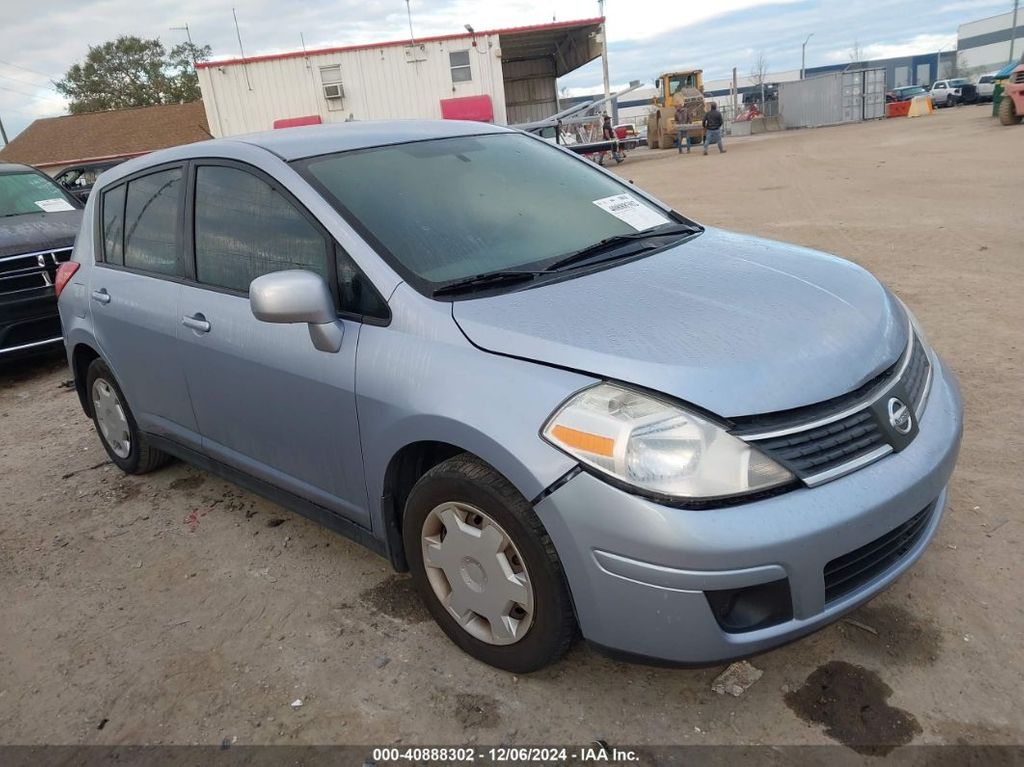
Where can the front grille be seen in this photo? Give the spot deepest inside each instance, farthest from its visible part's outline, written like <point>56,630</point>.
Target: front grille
<point>851,571</point>
<point>915,378</point>
<point>827,440</point>
<point>30,271</point>
<point>817,450</point>
<point>1018,78</point>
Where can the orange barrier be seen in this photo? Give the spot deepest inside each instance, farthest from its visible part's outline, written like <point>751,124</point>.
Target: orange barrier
<point>897,109</point>
<point>920,106</point>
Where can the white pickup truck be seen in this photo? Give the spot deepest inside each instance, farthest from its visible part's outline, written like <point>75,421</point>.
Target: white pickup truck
<point>986,87</point>
<point>948,93</point>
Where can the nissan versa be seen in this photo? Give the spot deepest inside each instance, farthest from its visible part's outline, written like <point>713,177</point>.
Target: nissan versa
<point>563,406</point>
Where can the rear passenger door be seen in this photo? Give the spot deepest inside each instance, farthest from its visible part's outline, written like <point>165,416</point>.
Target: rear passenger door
<point>134,298</point>
<point>266,401</point>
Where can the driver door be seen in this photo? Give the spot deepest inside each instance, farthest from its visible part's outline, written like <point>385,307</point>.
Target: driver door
<point>266,401</point>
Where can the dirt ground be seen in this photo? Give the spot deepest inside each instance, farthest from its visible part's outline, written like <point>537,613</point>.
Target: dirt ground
<point>178,608</point>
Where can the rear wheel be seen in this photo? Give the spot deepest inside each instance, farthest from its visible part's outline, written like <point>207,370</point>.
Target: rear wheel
<point>127,447</point>
<point>1007,113</point>
<point>485,567</point>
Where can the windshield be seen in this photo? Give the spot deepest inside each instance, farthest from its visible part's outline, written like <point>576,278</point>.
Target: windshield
<point>958,83</point>
<point>22,193</point>
<point>448,209</point>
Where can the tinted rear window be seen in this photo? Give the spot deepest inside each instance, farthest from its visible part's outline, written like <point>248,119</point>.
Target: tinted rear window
<point>151,222</point>
<point>113,225</point>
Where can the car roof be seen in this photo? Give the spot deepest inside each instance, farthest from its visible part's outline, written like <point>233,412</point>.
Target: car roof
<point>310,141</point>
<point>313,140</point>
<point>12,167</point>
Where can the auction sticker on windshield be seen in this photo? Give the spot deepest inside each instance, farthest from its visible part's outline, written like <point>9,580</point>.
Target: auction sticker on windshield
<point>629,209</point>
<point>55,205</point>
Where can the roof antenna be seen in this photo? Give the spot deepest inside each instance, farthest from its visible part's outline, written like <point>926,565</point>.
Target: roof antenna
<point>408,10</point>
<point>245,66</point>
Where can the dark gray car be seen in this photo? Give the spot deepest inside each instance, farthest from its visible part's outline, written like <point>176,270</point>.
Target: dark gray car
<point>560,404</point>
<point>38,224</point>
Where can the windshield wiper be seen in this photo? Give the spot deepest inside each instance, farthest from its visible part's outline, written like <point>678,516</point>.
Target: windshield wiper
<point>584,254</point>
<point>486,280</point>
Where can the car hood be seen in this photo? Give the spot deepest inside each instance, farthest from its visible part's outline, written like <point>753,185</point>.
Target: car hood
<point>38,231</point>
<point>737,325</point>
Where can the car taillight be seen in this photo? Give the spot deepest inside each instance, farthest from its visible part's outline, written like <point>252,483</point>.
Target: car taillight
<point>64,274</point>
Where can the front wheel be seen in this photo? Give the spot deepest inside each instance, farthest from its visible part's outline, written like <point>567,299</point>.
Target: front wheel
<point>126,445</point>
<point>1007,114</point>
<point>950,101</point>
<point>485,567</point>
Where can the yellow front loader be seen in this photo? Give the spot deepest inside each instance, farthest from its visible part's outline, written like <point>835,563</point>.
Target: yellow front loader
<point>676,89</point>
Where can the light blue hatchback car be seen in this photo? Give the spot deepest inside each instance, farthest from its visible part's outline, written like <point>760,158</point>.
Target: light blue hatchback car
<point>563,406</point>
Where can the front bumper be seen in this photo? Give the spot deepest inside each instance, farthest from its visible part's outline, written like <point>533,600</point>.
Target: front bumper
<point>29,322</point>
<point>639,571</point>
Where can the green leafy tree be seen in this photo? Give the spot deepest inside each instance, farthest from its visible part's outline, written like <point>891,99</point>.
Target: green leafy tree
<point>184,85</point>
<point>133,72</point>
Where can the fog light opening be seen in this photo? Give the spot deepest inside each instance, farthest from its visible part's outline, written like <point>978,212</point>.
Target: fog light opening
<point>753,607</point>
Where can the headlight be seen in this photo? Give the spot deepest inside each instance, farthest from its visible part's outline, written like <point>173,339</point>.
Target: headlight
<point>659,447</point>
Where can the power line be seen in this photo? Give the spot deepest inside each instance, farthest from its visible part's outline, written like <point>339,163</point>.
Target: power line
<point>30,84</point>
<point>33,71</point>
<point>22,93</point>
<point>32,114</point>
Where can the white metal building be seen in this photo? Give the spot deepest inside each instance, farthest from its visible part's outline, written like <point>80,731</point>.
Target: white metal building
<point>985,43</point>
<point>503,76</point>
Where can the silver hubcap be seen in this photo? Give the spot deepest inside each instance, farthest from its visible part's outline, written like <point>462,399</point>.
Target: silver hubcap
<point>477,572</point>
<point>111,419</point>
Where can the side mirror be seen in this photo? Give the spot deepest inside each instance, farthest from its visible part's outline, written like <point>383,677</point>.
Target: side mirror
<point>296,295</point>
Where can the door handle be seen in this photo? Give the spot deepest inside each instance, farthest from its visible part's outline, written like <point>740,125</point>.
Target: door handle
<point>196,322</point>
<point>101,295</point>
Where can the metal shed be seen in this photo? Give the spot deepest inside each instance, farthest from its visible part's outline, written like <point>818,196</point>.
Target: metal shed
<point>506,75</point>
<point>833,99</point>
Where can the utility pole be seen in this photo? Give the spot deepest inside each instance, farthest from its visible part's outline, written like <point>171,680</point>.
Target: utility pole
<point>803,55</point>
<point>408,12</point>
<point>735,106</point>
<point>184,29</point>
<point>604,63</point>
<point>245,66</point>
<point>1013,28</point>
<point>3,133</point>
<point>191,46</point>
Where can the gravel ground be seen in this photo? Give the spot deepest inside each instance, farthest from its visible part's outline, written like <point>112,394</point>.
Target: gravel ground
<point>178,608</point>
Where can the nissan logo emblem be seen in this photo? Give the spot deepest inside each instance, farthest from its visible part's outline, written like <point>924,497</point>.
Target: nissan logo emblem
<point>899,416</point>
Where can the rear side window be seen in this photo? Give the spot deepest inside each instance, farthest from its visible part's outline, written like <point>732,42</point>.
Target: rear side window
<point>113,225</point>
<point>151,220</point>
<point>244,228</point>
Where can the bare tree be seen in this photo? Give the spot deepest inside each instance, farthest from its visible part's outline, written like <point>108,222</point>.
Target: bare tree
<point>855,53</point>
<point>759,73</point>
<point>958,66</point>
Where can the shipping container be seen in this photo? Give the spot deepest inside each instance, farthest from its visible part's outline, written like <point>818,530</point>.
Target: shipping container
<point>833,99</point>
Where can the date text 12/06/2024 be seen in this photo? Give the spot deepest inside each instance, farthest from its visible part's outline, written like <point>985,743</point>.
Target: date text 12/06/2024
<point>596,752</point>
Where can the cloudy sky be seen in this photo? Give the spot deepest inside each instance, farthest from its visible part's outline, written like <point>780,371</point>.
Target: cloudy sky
<point>40,40</point>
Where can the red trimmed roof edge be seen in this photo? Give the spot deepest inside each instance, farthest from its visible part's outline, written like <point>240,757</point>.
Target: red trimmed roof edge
<point>87,160</point>
<point>392,43</point>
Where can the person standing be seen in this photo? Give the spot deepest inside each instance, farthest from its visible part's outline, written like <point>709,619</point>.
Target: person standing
<point>683,138</point>
<point>713,123</point>
<point>608,134</point>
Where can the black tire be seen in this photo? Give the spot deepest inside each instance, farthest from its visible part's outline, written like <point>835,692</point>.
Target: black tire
<point>1007,114</point>
<point>950,101</point>
<point>142,457</point>
<point>467,479</point>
